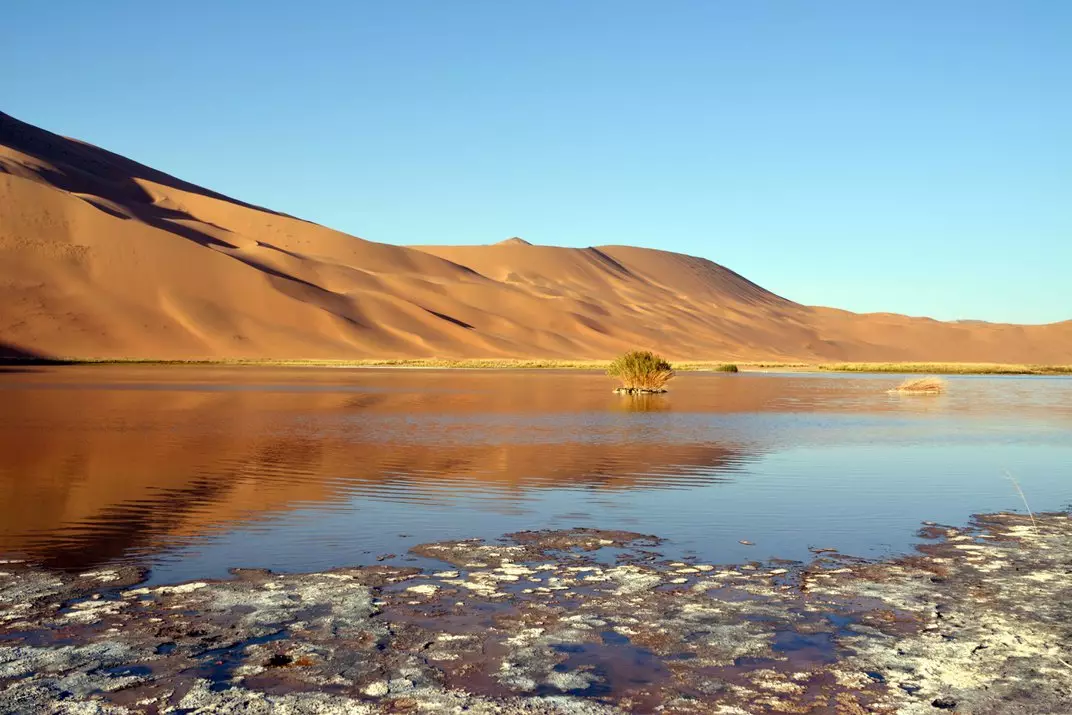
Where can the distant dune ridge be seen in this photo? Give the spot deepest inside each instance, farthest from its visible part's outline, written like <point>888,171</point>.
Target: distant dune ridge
<point>103,257</point>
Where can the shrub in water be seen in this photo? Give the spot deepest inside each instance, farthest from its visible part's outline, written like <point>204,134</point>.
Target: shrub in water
<point>641,371</point>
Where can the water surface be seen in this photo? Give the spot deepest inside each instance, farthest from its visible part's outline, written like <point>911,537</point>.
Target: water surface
<point>193,470</point>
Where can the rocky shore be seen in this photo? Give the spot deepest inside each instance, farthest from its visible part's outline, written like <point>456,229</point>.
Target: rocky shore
<point>979,620</point>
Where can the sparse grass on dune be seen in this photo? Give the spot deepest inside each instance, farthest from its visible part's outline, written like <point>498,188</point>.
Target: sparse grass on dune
<point>461,363</point>
<point>920,386</point>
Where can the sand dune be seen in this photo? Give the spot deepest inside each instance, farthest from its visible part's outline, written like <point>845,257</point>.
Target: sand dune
<point>103,257</point>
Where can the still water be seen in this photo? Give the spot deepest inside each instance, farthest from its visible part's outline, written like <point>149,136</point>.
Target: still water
<point>193,470</point>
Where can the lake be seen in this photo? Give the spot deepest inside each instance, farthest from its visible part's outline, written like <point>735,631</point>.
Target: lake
<point>191,470</point>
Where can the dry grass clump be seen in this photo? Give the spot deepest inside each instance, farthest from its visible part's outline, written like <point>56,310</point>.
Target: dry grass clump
<point>929,385</point>
<point>641,371</point>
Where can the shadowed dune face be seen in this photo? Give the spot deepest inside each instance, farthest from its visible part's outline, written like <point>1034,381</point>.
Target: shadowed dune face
<point>13,352</point>
<point>104,257</point>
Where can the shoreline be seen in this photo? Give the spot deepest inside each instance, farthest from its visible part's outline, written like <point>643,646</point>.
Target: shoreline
<point>933,368</point>
<point>977,619</point>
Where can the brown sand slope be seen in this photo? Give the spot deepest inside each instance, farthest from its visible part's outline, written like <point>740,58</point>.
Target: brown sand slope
<point>104,257</point>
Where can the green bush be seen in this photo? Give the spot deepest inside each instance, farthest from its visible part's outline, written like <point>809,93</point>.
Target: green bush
<point>727,367</point>
<point>641,370</point>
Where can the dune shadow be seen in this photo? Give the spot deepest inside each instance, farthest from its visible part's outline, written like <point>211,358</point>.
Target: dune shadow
<point>80,168</point>
<point>13,355</point>
<point>615,265</point>
<point>450,319</point>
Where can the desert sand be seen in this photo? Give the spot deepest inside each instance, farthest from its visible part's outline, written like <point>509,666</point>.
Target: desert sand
<point>102,257</point>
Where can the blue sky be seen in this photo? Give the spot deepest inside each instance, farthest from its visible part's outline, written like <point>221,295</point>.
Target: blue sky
<point>909,156</point>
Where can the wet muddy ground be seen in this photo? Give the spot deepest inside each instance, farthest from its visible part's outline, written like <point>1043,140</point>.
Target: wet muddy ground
<point>978,620</point>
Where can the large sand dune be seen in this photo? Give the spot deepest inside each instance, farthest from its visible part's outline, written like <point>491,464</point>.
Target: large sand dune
<point>103,257</point>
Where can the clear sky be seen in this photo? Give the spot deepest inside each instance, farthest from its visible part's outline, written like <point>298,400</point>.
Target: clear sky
<point>912,156</point>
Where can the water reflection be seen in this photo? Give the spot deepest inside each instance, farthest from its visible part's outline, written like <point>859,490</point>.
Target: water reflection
<point>92,472</point>
<point>643,403</point>
<point>100,464</point>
